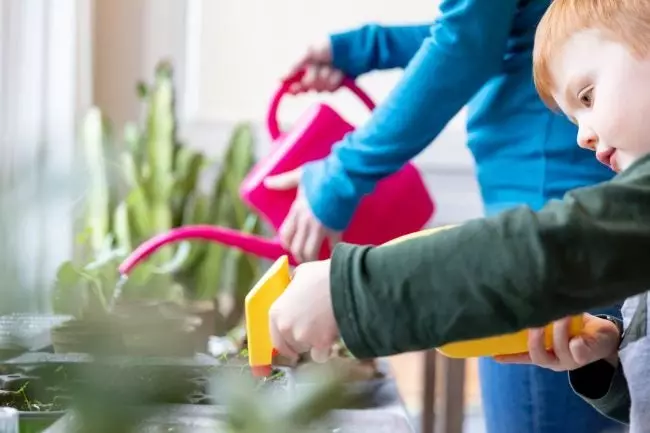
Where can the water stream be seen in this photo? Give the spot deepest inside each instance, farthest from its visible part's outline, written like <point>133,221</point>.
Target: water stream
<point>117,293</point>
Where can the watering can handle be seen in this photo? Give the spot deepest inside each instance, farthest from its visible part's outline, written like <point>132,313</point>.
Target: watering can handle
<point>272,116</point>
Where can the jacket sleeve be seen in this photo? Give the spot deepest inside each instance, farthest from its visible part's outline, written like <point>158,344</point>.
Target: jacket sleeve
<point>497,275</point>
<point>439,80</point>
<point>375,47</point>
<point>605,388</point>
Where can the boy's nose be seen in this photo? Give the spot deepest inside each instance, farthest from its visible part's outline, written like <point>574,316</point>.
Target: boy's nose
<point>587,138</point>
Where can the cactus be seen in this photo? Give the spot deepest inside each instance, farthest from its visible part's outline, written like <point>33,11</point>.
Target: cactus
<point>154,184</point>
<point>96,135</point>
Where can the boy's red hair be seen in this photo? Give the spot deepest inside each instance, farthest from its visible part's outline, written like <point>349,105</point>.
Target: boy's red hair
<point>624,21</point>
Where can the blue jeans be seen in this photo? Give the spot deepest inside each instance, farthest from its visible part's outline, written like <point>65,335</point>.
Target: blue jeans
<point>529,399</point>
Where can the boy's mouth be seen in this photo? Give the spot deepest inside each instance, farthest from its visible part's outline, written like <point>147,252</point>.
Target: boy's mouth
<point>606,157</point>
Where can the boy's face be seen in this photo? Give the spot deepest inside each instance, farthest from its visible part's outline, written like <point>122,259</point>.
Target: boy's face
<point>605,90</point>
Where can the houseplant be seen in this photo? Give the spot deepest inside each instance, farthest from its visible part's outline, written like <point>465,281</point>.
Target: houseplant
<point>155,183</point>
<point>151,184</point>
<point>106,404</point>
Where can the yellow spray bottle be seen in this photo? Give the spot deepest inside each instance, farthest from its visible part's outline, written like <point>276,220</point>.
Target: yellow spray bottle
<point>273,283</point>
<point>509,344</point>
<point>257,304</point>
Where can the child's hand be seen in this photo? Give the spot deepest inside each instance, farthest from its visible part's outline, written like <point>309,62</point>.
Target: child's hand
<point>320,74</point>
<point>302,318</point>
<point>599,340</point>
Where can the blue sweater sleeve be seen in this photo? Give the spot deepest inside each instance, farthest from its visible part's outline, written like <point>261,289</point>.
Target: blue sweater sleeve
<point>374,47</point>
<point>464,49</point>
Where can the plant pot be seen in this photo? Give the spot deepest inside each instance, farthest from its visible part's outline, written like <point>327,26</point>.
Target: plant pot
<point>206,311</point>
<point>137,329</point>
<point>155,328</point>
<point>83,336</point>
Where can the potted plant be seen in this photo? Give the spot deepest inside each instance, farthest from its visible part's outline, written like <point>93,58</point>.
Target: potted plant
<point>153,183</point>
<point>157,183</point>
<point>244,406</point>
<point>151,310</point>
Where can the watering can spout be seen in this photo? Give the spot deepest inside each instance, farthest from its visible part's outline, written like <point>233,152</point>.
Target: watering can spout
<point>265,248</point>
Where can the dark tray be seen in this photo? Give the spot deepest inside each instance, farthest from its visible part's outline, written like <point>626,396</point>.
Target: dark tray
<point>210,419</point>
<point>45,358</point>
<point>161,380</point>
<point>383,412</point>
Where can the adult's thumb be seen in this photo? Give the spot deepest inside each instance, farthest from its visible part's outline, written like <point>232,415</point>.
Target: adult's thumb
<point>283,181</point>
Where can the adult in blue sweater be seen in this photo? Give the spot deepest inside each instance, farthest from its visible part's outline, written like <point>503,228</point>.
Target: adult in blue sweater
<point>477,53</point>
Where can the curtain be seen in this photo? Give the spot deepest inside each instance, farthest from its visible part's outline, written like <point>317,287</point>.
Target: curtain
<point>45,75</point>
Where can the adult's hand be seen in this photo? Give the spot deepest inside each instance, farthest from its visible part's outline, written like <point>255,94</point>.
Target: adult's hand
<point>301,232</point>
<point>320,75</point>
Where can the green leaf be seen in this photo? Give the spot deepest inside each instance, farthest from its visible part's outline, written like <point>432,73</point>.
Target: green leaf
<point>83,236</point>
<point>139,215</point>
<point>67,275</point>
<point>68,297</point>
<point>196,212</point>
<point>188,166</point>
<point>122,227</point>
<point>130,171</point>
<point>176,263</point>
<point>96,138</point>
<point>141,274</point>
<point>142,90</point>
<point>238,161</point>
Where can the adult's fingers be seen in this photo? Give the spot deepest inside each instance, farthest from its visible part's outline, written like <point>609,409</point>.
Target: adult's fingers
<point>299,238</point>
<point>309,79</point>
<point>288,228</point>
<point>313,243</point>
<point>334,80</point>
<point>283,181</point>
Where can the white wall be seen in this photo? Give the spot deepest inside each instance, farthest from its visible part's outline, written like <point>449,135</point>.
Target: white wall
<point>246,45</point>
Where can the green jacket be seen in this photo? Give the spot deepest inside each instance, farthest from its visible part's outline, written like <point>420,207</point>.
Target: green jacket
<point>497,275</point>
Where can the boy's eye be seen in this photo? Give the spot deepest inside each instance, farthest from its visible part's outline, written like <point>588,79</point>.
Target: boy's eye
<point>586,97</point>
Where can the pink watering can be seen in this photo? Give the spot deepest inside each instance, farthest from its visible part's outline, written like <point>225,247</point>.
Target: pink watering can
<point>400,203</point>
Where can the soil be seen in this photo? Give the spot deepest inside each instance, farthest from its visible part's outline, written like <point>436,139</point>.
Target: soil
<point>28,392</point>
<point>233,350</point>
<point>45,382</point>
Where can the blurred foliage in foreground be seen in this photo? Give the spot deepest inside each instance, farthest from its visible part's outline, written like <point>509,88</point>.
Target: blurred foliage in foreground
<point>106,397</point>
